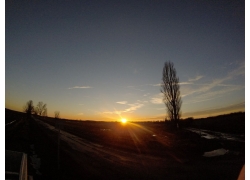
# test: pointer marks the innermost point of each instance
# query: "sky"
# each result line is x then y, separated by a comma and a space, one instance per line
96, 60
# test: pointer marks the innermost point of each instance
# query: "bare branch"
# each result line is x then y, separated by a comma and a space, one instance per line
41, 109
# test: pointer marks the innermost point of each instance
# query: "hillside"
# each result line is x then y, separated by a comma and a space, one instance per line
228, 123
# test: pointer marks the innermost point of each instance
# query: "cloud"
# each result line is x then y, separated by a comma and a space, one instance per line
214, 94
185, 83
132, 107
80, 87
216, 88
140, 101
157, 84
157, 99
191, 81
113, 112
122, 102
196, 78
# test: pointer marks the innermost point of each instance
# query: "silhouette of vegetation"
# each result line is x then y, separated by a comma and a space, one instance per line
41, 109
57, 114
29, 108
171, 92
227, 123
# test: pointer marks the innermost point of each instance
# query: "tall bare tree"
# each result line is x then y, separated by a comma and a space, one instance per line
41, 109
171, 92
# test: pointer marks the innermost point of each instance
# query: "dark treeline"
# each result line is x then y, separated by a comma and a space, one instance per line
228, 123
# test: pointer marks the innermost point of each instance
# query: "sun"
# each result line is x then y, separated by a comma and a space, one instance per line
124, 121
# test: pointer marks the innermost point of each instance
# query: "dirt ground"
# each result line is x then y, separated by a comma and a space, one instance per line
153, 152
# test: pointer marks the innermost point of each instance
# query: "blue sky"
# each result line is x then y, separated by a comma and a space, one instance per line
103, 60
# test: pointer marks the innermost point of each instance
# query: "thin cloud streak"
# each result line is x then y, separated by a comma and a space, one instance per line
132, 107
218, 82
186, 83
80, 87
190, 81
196, 78
157, 99
122, 102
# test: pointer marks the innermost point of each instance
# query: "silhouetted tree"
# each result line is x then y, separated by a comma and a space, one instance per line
171, 92
29, 108
57, 114
45, 112
41, 109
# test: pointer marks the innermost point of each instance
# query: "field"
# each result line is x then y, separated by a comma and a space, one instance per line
111, 150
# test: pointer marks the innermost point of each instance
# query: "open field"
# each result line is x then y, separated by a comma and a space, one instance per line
112, 150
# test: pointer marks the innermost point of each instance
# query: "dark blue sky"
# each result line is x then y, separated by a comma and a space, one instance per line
103, 60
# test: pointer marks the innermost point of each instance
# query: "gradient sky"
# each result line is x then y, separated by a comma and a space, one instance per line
102, 60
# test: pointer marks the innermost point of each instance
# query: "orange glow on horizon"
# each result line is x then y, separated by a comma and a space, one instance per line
124, 121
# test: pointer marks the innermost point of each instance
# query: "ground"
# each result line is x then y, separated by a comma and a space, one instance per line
116, 151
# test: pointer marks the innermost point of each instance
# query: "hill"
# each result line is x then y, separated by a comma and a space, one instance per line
227, 123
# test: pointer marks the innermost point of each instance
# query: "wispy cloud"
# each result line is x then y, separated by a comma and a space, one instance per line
192, 80
140, 101
122, 102
185, 83
207, 91
80, 87
131, 108
159, 84
134, 107
145, 95
195, 79
157, 99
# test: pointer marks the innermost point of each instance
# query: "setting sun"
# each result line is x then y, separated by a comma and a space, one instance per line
123, 120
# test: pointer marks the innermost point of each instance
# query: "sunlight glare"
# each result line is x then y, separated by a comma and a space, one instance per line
123, 120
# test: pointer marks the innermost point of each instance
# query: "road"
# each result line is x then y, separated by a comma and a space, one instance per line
116, 162
95, 161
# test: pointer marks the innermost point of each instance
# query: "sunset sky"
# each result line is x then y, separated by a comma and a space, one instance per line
103, 60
